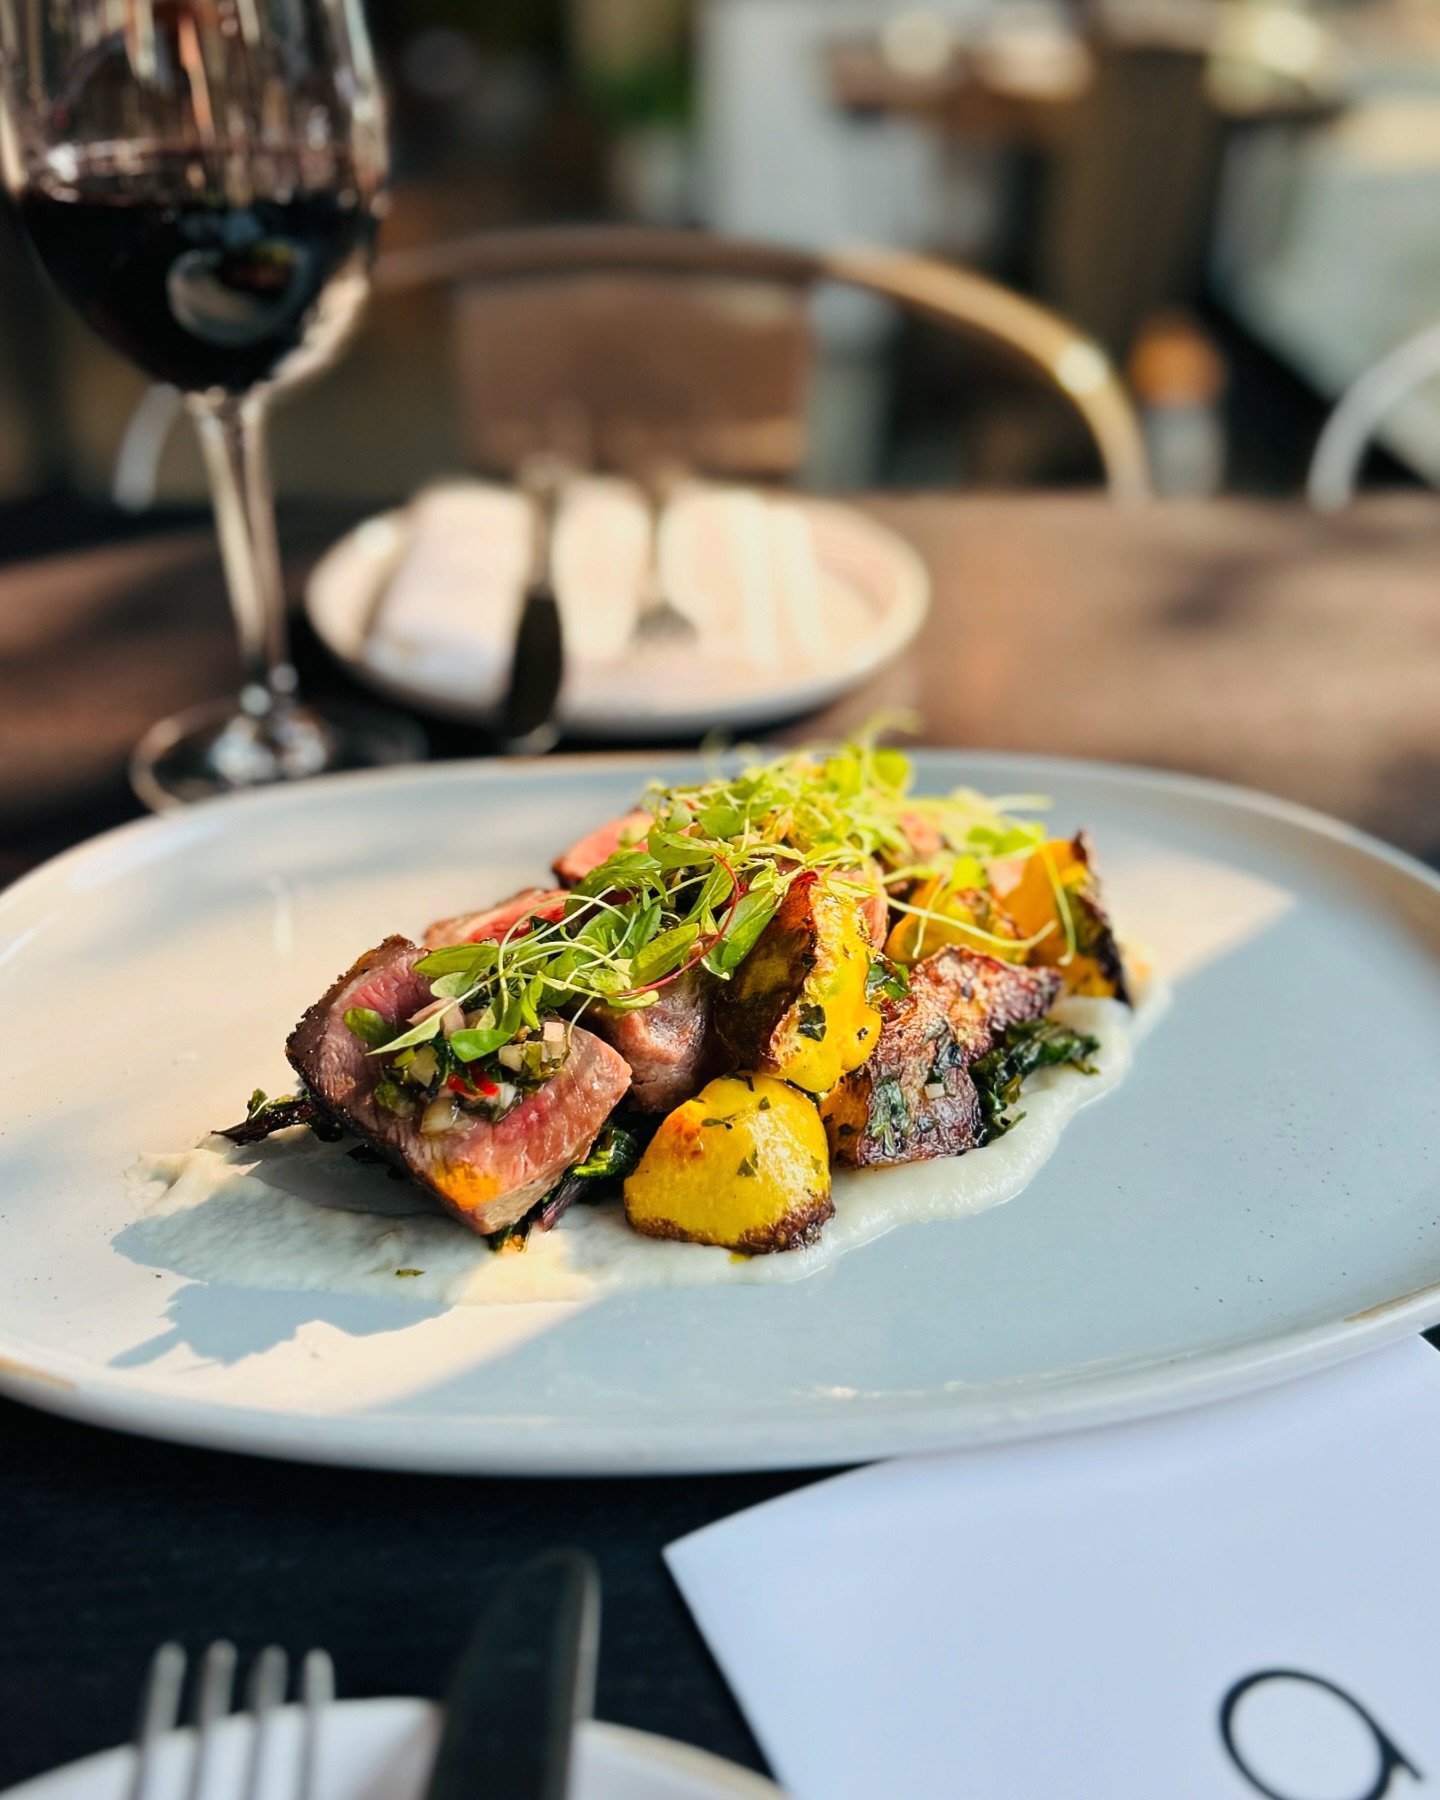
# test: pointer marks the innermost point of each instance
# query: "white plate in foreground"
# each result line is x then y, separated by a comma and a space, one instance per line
382, 1750
1262, 1195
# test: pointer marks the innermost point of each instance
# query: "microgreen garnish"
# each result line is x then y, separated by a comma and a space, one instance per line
367, 1025
697, 891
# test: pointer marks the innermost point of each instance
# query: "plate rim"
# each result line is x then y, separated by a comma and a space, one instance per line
459, 769
735, 1446
646, 1746
75, 1388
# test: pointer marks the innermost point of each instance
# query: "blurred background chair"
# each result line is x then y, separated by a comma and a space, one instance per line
633, 349
1270, 169
1350, 430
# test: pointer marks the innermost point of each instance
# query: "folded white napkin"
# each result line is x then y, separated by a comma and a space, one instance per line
1233, 1601
448, 616
778, 594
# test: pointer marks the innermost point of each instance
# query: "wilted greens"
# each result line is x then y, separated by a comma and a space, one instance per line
1000, 1074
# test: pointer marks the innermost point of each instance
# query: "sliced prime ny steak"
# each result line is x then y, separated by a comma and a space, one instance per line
487, 1174
668, 1045
545, 904
914, 1098
591, 850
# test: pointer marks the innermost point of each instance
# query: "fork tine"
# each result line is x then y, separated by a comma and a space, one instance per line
317, 1691
317, 1679
212, 1703
159, 1713
217, 1681
265, 1694
266, 1688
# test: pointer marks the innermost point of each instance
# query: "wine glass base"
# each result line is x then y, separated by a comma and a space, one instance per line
212, 750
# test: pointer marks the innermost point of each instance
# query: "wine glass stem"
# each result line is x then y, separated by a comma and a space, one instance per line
232, 438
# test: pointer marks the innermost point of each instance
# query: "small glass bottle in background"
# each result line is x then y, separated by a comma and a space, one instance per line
1178, 377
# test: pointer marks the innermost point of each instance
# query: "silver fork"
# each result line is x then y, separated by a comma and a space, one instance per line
265, 1691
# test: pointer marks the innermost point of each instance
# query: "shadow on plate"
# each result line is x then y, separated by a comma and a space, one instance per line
225, 1324
230, 1307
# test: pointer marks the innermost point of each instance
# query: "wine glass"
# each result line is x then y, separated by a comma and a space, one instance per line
202, 179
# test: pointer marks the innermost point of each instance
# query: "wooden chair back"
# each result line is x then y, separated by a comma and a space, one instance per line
633, 369
565, 331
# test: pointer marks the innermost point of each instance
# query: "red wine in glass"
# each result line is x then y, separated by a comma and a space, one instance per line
202, 179
203, 291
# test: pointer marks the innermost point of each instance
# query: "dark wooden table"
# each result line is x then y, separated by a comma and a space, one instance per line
1240, 640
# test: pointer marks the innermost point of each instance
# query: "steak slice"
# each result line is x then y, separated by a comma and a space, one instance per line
488, 1174
546, 904
332, 1062
914, 1097
593, 849
668, 1045
923, 835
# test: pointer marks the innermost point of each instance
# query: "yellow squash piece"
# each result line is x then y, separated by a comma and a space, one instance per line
1086, 955
797, 1007
744, 1164
967, 916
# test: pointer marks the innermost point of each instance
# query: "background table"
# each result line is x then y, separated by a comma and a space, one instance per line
1233, 639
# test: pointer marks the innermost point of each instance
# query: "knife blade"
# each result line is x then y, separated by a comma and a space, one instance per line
523, 1683
526, 724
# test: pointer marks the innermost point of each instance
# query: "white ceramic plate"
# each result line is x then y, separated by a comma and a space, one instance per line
1261, 1196
382, 1749
872, 596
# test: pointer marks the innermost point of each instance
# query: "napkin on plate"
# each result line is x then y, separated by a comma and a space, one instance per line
768, 604
1233, 1601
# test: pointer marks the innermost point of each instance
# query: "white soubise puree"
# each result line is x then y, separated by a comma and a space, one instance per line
294, 1212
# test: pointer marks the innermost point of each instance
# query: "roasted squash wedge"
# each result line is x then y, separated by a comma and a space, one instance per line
1053, 881
744, 1164
797, 1006
968, 916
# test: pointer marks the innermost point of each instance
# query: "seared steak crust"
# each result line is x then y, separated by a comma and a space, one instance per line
488, 1174
332, 1062
914, 1097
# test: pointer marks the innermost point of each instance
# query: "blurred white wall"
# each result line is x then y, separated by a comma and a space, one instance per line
1328, 240
779, 160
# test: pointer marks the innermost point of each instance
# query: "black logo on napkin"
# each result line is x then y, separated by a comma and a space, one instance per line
1390, 1758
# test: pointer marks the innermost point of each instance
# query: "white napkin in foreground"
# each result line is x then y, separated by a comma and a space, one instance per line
1064, 1619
